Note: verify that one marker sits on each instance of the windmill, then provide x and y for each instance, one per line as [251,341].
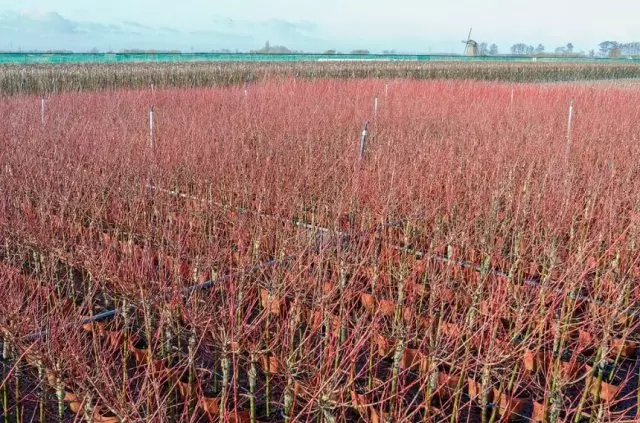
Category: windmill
[470,46]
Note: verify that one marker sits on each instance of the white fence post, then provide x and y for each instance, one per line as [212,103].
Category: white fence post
[569,121]
[42,110]
[363,139]
[151,127]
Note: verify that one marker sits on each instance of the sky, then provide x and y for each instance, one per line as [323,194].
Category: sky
[420,26]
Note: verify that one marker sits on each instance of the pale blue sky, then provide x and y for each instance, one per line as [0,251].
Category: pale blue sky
[406,25]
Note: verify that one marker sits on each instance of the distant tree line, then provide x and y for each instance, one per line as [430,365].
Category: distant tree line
[605,49]
[486,49]
[144,51]
[269,49]
[617,49]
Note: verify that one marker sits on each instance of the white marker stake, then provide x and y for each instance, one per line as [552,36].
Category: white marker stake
[512,96]
[569,121]
[151,127]
[42,110]
[569,127]
[375,106]
[386,88]
[363,139]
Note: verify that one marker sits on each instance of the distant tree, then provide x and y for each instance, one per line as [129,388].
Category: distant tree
[569,48]
[269,49]
[389,52]
[529,50]
[483,48]
[493,49]
[360,51]
[592,53]
[520,48]
[630,49]
[539,49]
[330,51]
[605,47]
[560,50]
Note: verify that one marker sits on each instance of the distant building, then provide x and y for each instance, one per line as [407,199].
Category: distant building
[471,49]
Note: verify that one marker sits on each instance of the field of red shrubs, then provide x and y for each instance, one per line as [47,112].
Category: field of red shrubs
[251,259]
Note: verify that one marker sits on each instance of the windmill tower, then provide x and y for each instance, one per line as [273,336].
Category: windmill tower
[470,46]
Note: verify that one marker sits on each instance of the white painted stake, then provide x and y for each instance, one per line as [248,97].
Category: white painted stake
[151,127]
[512,96]
[569,121]
[375,106]
[363,139]
[386,87]
[42,110]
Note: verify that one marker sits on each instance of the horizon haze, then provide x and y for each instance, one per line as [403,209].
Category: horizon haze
[410,26]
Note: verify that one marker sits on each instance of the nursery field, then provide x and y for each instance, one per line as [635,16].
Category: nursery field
[248,253]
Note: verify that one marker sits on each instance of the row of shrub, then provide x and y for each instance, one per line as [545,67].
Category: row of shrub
[43,78]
